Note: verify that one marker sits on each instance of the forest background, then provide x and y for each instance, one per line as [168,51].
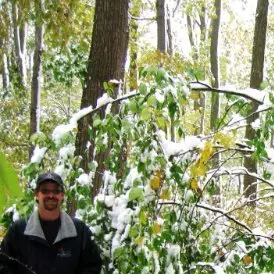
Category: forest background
[158,115]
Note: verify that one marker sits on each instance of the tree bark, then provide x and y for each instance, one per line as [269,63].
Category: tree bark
[133,46]
[5,71]
[161,26]
[214,62]
[256,78]
[19,33]
[199,103]
[169,32]
[36,78]
[106,62]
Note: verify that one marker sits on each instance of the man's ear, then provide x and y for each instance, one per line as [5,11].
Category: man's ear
[35,195]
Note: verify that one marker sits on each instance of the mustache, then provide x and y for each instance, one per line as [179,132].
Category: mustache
[51,199]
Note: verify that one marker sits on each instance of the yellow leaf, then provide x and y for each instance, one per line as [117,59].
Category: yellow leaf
[194,95]
[199,169]
[155,183]
[206,152]
[225,139]
[156,180]
[156,228]
[194,184]
[165,195]
[139,240]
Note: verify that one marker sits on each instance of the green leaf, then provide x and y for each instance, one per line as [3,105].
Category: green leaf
[151,100]
[145,114]
[97,122]
[9,184]
[136,193]
[132,106]
[172,108]
[143,88]
[143,217]
[160,75]
[133,232]
[161,122]
[117,252]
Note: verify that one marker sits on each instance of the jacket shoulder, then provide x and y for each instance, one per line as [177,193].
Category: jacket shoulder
[19,225]
[79,224]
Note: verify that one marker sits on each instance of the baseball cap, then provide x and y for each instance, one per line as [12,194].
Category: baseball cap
[49,176]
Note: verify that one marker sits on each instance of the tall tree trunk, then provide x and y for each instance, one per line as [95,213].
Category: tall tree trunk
[256,79]
[169,31]
[161,26]
[5,71]
[199,103]
[133,47]
[19,33]
[36,78]
[4,67]
[215,98]
[106,62]
[214,62]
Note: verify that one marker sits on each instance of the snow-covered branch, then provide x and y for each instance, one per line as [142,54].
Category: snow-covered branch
[223,213]
[241,171]
[251,94]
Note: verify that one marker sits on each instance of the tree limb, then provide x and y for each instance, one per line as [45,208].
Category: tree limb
[199,86]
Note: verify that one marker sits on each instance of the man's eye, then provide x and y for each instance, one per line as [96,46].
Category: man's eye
[53,191]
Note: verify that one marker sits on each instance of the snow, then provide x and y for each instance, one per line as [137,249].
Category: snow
[105,99]
[249,93]
[256,94]
[237,119]
[217,269]
[38,154]
[85,179]
[256,124]
[186,145]
[66,151]
[62,130]
[62,171]
[131,177]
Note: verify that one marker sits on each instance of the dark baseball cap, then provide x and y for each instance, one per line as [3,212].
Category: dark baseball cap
[49,177]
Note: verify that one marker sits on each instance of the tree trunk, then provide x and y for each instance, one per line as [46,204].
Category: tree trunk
[214,62]
[106,62]
[256,79]
[19,33]
[5,71]
[199,103]
[133,46]
[36,79]
[161,26]
[215,97]
[169,32]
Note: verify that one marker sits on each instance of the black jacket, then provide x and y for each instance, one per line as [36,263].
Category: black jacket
[73,251]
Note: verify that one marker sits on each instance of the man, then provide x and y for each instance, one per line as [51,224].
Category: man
[50,241]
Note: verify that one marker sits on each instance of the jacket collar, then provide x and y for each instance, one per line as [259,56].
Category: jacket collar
[67,229]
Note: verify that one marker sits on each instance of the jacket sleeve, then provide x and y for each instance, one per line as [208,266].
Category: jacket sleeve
[90,262]
[10,250]
[7,252]
[5,264]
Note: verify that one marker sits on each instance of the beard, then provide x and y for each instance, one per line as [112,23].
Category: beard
[50,204]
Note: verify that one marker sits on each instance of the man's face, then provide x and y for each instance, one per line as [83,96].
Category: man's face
[49,196]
